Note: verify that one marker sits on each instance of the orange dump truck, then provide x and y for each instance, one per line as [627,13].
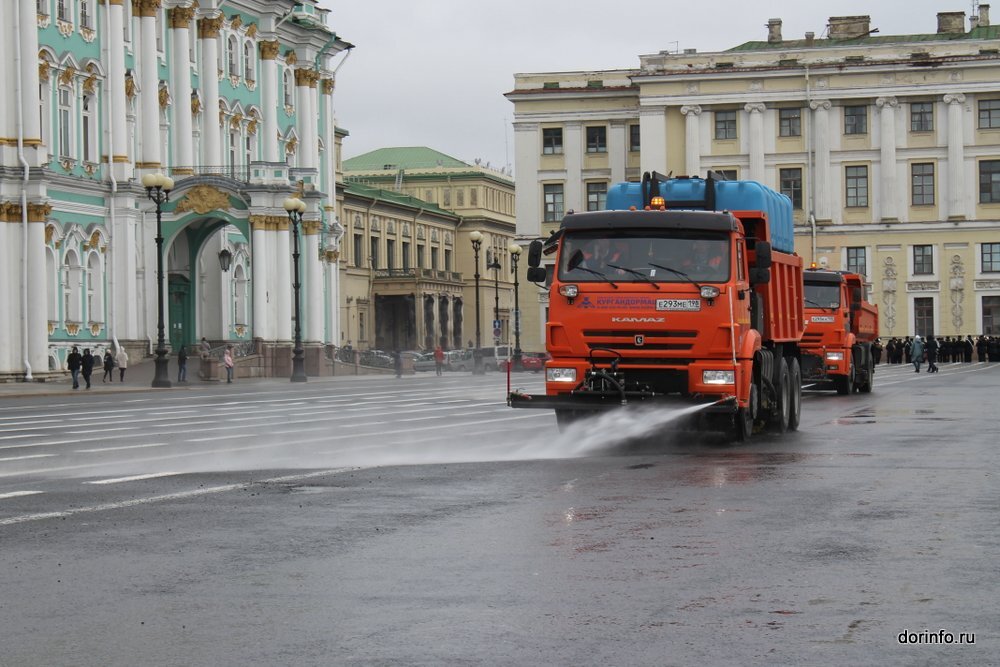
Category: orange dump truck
[687,292]
[840,329]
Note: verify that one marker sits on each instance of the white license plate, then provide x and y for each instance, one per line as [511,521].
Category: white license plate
[822,318]
[678,304]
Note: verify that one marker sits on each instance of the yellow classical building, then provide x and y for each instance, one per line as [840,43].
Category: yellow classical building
[888,145]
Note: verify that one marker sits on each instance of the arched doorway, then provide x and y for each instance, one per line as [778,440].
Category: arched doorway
[181,312]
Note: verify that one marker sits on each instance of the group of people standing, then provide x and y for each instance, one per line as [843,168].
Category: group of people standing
[946,349]
[82,365]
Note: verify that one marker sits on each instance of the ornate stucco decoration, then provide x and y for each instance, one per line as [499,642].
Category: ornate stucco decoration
[88,34]
[66,76]
[73,328]
[65,28]
[89,84]
[129,86]
[195,103]
[50,232]
[236,22]
[889,294]
[252,126]
[391,227]
[291,145]
[957,284]
[987,284]
[328,86]
[209,28]
[252,30]
[269,50]
[923,286]
[164,95]
[43,71]
[290,57]
[203,199]
[236,121]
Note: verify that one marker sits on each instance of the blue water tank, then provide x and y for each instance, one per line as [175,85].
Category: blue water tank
[689,194]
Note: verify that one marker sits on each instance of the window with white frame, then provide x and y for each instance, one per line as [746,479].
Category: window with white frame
[95,289]
[921,117]
[65,122]
[85,15]
[989,114]
[597,195]
[725,125]
[790,122]
[286,84]
[923,260]
[856,120]
[42,7]
[248,62]
[922,176]
[87,128]
[553,193]
[990,254]
[597,139]
[62,10]
[857,186]
[72,287]
[857,260]
[233,68]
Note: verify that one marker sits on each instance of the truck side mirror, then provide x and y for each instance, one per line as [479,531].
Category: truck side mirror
[534,255]
[536,274]
[759,276]
[763,249]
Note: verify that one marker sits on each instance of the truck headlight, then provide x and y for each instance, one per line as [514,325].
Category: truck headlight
[718,377]
[709,291]
[834,356]
[560,375]
[569,291]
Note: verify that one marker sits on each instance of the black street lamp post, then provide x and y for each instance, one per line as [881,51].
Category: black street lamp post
[477,359]
[295,208]
[158,189]
[515,254]
[495,265]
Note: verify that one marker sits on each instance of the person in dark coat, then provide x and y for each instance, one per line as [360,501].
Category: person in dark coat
[182,364]
[931,349]
[397,363]
[993,349]
[916,353]
[87,365]
[109,366]
[877,351]
[907,349]
[73,363]
[967,349]
[981,348]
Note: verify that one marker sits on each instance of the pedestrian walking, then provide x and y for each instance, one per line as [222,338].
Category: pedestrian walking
[397,363]
[227,361]
[877,351]
[182,364]
[917,352]
[87,365]
[438,359]
[73,363]
[109,366]
[121,361]
[931,348]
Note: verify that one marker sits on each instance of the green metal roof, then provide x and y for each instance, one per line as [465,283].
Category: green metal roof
[394,159]
[979,32]
[360,190]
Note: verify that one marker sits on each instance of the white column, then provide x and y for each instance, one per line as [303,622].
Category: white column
[956,155]
[262,325]
[528,203]
[617,151]
[115,86]
[269,98]
[821,141]
[305,122]
[312,275]
[180,31]
[573,159]
[653,135]
[692,139]
[755,139]
[283,296]
[38,332]
[314,124]
[330,266]
[30,122]
[887,129]
[211,133]
[149,82]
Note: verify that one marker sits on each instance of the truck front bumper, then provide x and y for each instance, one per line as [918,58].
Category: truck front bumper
[588,401]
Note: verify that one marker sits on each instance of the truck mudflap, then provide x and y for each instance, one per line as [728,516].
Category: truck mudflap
[596,402]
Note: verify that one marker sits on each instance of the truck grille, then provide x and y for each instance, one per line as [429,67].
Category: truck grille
[624,341]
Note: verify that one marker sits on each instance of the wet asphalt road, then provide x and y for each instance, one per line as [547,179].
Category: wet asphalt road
[433,526]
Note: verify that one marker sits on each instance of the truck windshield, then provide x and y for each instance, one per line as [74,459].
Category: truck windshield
[631,256]
[822,295]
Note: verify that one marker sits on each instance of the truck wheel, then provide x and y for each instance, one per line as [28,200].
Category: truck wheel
[866,386]
[845,383]
[795,394]
[744,417]
[782,390]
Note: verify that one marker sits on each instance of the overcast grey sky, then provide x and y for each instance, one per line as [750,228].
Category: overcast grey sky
[433,72]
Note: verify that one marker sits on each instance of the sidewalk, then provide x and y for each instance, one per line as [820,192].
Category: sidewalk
[139,377]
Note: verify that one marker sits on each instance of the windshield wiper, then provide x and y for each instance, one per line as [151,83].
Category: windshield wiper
[642,276]
[596,273]
[830,308]
[678,273]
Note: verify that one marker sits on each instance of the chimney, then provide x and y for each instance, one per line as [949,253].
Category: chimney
[773,30]
[849,27]
[810,38]
[984,15]
[951,22]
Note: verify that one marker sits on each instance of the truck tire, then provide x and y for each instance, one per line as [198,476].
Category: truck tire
[795,393]
[744,418]
[845,383]
[866,386]
[782,402]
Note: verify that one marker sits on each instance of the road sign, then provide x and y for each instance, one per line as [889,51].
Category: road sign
[497,332]
[496,325]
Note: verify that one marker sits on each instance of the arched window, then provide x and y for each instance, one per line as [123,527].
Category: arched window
[87,127]
[65,122]
[95,289]
[287,84]
[248,63]
[72,288]
[234,57]
[234,151]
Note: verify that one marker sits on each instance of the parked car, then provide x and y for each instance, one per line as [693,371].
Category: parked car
[462,360]
[530,361]
[424,362]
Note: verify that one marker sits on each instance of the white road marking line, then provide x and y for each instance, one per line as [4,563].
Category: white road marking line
[24,518]
[18,494]
[27,456]
[40,444]
[133,478]
[117,449]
